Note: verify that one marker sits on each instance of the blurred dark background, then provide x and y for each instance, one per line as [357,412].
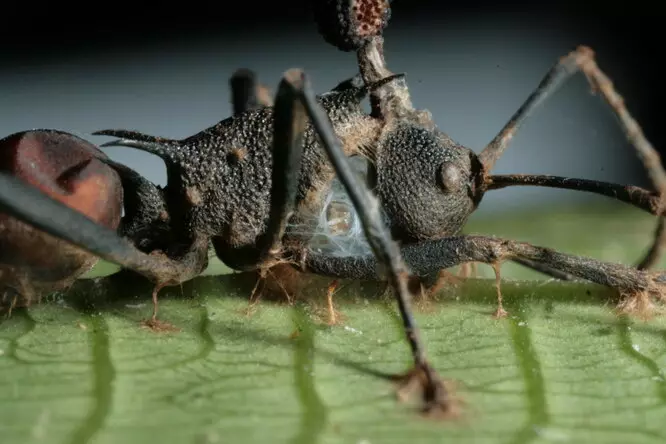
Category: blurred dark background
[163,69]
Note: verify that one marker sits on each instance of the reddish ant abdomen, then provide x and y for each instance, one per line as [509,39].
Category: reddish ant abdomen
[68,169]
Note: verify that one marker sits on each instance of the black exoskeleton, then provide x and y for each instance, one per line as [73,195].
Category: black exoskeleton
[219,181]
[427,183]
[250,183]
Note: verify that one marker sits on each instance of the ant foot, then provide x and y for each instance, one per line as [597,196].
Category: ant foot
[157,326]
[500,313]
[436,400]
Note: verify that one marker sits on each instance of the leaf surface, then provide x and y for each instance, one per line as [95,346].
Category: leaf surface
[563,367]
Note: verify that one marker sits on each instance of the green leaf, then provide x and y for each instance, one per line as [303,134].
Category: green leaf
[563,367]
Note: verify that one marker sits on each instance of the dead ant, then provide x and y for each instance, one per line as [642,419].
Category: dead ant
[69,169]
[244,183]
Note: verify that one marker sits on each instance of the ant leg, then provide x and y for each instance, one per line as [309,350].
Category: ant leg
[649,156]
[657,249]
[500,312]
[444,279]
[431,256]
[12,306]
[582,59]
[247,93]
[255,295]
[146,225]
[386,251]
[35,208]
[333,315]
[541,268]
[153,323]
[641,198]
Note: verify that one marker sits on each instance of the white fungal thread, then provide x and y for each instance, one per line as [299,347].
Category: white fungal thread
[337,230]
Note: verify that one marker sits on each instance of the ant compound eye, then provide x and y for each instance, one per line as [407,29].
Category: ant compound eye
[452,178]
[339,218]
[348,24]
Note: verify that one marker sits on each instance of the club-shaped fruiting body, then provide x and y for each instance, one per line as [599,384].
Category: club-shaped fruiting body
[68,169]
[348,24]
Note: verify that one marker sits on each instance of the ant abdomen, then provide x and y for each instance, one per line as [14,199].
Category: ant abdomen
[69,170]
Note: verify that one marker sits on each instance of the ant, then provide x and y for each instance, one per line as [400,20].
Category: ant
[244,184]
[72,171]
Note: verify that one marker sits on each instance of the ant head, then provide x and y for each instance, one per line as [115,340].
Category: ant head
[428,184]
